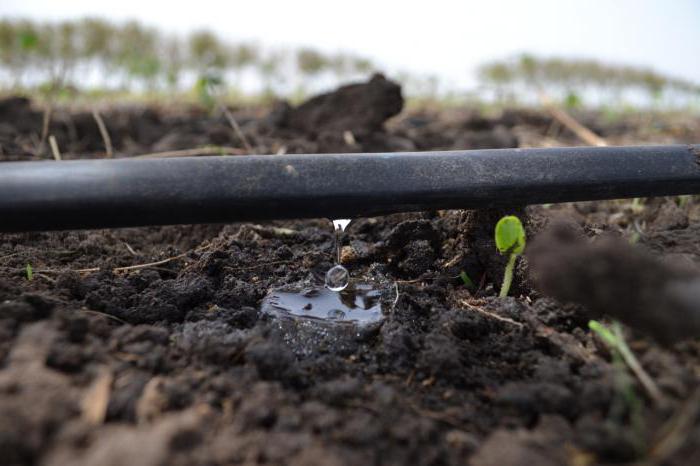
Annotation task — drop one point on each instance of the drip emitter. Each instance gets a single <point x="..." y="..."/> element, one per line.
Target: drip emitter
<point x="131" y="192"/>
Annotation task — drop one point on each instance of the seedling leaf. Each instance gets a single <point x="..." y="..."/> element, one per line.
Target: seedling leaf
<point x="510" y="239"/>
<point x="604" y="333"/>
<point x="510" y="235"/>
<point x="30" y="272"/>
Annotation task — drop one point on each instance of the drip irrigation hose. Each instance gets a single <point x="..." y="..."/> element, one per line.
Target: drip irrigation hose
<point x="128" y="192"/>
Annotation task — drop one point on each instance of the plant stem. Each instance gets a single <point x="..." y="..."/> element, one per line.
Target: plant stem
<point x="508" y="276"/>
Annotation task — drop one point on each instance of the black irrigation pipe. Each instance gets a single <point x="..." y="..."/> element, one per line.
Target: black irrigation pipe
<point x="124" y="192"/>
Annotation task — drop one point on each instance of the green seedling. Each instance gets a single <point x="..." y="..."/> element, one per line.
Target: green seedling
<point x="30" y="272"/>
<point x="510" y="239"/>
<point x="684" y="200"/>
<point x="615" y="340"/>
<point x="466" y="280"/>
<point x="625" y="362"/>
<point x="637" y="205"/>
<point x="626" y="399"/>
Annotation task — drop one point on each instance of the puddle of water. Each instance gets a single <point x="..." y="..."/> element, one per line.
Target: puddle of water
<point x="360" y="304"/>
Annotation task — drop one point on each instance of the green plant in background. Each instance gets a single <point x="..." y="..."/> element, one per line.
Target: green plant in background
<point x="510" y="239"/>
<point x="207" y="87"/>
<point x="30" y="272"/>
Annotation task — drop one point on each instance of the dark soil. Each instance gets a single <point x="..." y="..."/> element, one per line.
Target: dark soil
<point x="172" y="362"/>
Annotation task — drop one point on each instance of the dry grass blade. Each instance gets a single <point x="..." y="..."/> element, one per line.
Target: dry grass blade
<point x="104" y="133"/>
<point x="583" y="133"/>
<point x="103" y="314"/>
<point x="128" y="268"/>
<point x="237" y="129"/>
<point x="46" y="121"/>
<point x="54" y="148"/>
<point x="490" y="314"/>
<point x="256" y="266"/>
<point x="7" y="256"/>
<point x="193" y="152"/>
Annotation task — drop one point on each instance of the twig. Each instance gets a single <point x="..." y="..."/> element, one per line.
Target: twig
<point x="130" y="249"/>
<point x="7" y="256"/>
<point x="148" y="264"/>
<point x="103" y="314"/>
<point x="583" y="133"/>
<point x="490" y="314"/>
<point x="45" y="122"/>
<point x="257" y="266"/>
<point x="435" y="415"/>
<point x="237" y="129"/>
<point x="45" y="277"/>
<point x="104" y="133"/>
<point x="193" y="152"/>
<point x="88" y="270"/>
<point x="396" y="299"/>
<point x="129" y="268"/>
<point x="54" y="148"/>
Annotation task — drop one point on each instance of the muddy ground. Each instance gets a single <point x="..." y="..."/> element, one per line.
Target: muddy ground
<point x="171" y="362"/>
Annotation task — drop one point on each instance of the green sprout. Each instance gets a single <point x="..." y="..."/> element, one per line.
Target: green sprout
<point x="684" y="200"/>
<point x="625" y="362"/>
<point x="510" y="239"/>
<point x="466" y="280"/>
<point x="627" y="399"/>
<point x="30" y="272"/>
<point x="615" y="340"/>
<point x="604" y="333"/>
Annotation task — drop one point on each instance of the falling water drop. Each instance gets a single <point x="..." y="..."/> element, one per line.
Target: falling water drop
<point x="338" y="228"/>
<point x="341" y="224"/>
<point x="337" y="278"/>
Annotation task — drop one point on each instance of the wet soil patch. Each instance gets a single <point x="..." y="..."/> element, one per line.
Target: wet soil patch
<point x="171" y="362"/>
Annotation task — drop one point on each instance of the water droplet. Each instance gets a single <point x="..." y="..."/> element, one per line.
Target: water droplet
<point x="337" y="278"/>
<point x="341" y="224"/>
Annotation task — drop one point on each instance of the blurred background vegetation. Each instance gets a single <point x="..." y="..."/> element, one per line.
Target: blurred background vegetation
<point x="96" y="59"/>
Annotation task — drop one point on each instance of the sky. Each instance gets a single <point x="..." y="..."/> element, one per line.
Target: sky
<point x="445" y="38"/>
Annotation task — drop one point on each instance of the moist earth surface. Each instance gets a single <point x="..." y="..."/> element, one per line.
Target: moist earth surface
<point x="147" y="345"/>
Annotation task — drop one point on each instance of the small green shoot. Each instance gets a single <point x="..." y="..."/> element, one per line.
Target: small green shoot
<point x="615" y="340"/>
<point x="604" y="333"/>
<point x="637" y="206"/>
<point x="626" y="399"/>
<point x="466" y="280"/>
<point x="510" y="239"/>
<point x="30" y="272"/>
<point x="684" y="200"/>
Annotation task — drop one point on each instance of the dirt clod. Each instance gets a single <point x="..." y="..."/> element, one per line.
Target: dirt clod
<point x="359" y="108"/>
<point x="611" y="277"/>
